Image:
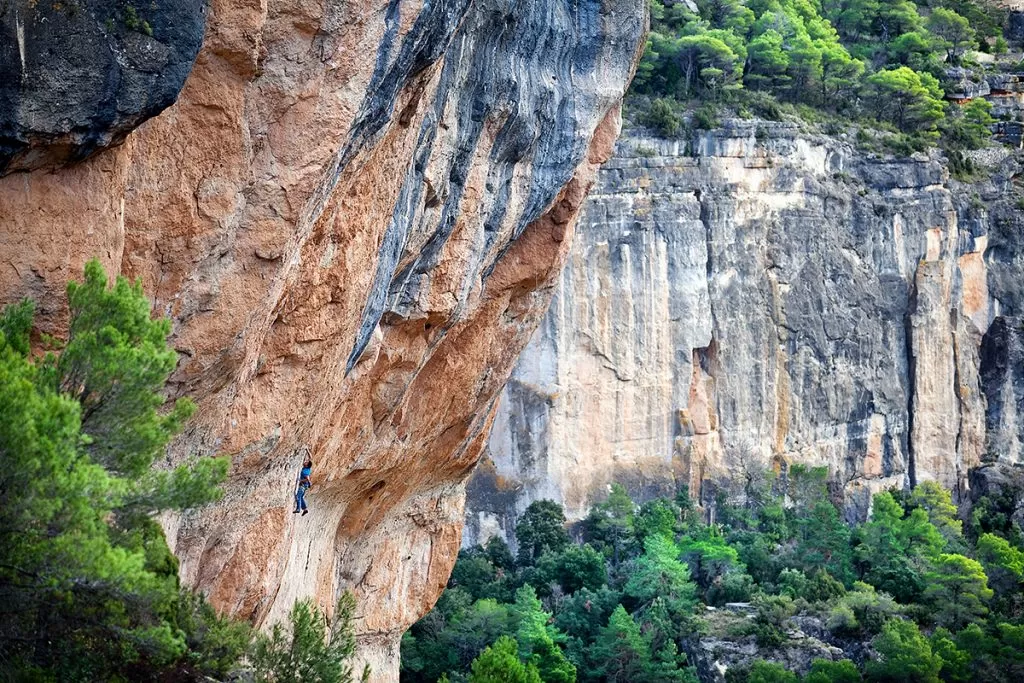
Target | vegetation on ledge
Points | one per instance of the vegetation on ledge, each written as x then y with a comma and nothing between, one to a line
886,66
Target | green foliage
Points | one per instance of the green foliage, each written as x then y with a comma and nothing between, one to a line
476,574
896,549
936,501
857,59
1003,562
610,524
733,587
912,100
770,672
955,662
904,655
215,644
499,663
957,590
660,574
114,365
969,126
663,118
823,541
303,652
16,326
498,553
541,528
579,567
537,640
710,556
625,655
824,671
770,622
658,517
862,611
629,612
82,562
954,33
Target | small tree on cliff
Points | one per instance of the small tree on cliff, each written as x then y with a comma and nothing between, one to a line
303,653
88,587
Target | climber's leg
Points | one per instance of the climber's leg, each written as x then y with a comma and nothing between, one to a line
300,499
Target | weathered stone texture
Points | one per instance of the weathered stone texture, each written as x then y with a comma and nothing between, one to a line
758,297
354,215
78,76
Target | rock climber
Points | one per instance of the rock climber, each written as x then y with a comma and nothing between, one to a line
304,483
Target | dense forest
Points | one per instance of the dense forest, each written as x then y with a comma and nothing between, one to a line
914,594
886,64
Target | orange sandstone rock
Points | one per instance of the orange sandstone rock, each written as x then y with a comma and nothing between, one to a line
353,215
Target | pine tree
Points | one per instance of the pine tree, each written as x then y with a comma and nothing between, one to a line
500,663
304,652
83,564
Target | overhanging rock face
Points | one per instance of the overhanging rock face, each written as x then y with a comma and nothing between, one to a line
354,215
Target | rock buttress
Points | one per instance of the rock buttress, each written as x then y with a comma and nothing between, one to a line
354,215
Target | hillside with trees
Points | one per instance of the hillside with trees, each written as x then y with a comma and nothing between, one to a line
653,592
885,65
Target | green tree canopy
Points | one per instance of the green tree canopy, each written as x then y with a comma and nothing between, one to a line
909,99
954,32
770,672
541,528
824,671
305,652
499,663
82,562
660,574
904,655
610,523
958,591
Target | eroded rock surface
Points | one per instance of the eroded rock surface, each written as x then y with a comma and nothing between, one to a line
354,216
757,297
77,76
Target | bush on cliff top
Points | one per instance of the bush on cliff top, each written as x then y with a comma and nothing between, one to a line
880,63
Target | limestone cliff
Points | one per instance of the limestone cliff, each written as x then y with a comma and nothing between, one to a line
754,297
354,215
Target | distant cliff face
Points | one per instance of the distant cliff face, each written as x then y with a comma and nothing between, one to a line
354,215
756,297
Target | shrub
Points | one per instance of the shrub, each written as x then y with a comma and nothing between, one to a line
824,671
302,653
706,117
663,118
770,672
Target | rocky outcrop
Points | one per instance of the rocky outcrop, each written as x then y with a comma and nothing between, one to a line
730,645
78,76
757,297
353,215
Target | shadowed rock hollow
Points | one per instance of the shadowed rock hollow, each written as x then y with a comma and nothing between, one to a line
354,215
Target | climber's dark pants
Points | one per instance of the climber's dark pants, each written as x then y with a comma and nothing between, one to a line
300,498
